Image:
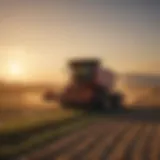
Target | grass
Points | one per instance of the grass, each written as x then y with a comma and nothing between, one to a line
40,139
35,120
26,131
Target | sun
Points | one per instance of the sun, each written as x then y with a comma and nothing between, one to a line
15,69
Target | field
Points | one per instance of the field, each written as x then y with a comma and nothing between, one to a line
20,131
113,136
21,120
121,136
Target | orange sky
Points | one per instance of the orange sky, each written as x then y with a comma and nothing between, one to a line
39,36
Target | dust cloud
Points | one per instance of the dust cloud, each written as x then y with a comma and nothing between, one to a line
141,91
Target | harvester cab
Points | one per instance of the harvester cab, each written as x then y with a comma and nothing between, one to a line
83,70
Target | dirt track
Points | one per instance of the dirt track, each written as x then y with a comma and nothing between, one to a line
110,139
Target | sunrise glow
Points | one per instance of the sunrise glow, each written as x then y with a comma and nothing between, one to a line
15,69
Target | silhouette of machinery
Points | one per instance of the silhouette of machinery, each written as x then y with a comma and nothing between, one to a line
91,87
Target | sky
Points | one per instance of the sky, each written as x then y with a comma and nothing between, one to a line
37,37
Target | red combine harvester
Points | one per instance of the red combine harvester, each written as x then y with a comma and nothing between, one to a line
91,87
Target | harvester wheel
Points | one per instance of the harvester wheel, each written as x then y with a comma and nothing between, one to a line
116,101
64,104
100,101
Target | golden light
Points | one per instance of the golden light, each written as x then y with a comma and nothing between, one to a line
15,69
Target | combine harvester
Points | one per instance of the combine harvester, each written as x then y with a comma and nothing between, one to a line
91,87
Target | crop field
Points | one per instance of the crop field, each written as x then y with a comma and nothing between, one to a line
19,120
129,136
22,130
